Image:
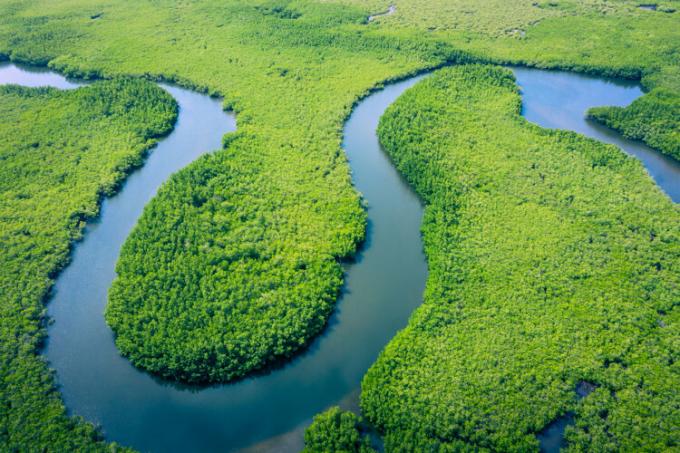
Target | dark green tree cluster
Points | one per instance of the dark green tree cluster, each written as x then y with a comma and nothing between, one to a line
653,118
212,284
336,431
60,151
553,259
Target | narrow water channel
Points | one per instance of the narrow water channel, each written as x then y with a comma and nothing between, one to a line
383,286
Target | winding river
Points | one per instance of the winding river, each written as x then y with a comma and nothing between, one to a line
383,285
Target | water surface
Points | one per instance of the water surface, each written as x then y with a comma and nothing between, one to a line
560,100
33,76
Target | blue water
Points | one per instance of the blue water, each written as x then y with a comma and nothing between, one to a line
560,100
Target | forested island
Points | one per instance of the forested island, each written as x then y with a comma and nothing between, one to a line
553,258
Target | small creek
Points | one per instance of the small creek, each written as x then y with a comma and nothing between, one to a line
383,285
390,10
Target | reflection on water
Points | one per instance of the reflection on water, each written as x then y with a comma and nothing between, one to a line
31,76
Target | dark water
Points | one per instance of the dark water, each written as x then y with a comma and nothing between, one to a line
384,285
551,438
559,100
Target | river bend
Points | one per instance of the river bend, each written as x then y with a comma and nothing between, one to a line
383,286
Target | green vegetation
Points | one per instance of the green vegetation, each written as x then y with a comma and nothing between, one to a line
292,82
235,264
614,38
256,231
495,18
498,18
60,152
553,259
212,285
336,431
654,119
239,254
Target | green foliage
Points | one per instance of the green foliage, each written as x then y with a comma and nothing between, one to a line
553,259
653,118
497,18
211,285
277,207
267,219
614,38
335,431
236,263
60,151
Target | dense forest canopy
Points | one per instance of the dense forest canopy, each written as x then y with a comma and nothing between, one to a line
240,251
336,430
553,261
60,152
654,118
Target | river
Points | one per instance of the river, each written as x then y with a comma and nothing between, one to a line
559,100
384,283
